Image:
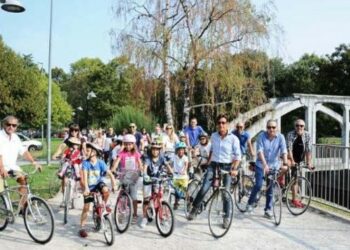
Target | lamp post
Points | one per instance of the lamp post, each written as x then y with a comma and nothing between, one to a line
49,97
89,96
13,6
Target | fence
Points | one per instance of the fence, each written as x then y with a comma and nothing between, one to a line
331,180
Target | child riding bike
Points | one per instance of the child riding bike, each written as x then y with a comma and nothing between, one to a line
154,165
71,157
130,160
94,171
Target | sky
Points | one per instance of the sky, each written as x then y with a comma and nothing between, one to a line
81,29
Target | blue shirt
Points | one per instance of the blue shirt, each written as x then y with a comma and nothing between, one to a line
193,134
225,150
272,149
95,173
155,168
243,139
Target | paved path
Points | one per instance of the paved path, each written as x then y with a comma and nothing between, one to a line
309,231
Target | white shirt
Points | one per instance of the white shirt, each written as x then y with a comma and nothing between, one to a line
115,152
169,146
107,144
10,148
179,166
204,151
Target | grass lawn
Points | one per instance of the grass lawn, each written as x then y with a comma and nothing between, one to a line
39,182
329,140
55,142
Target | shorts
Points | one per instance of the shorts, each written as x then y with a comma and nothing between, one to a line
13,174
98,188
148,188
133,191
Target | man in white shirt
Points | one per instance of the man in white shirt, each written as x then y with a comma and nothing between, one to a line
10,148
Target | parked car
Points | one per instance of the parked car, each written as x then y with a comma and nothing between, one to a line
31,145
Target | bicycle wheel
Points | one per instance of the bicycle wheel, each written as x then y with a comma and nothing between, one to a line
66,198
108,231
303,194
123,212
167,190
242,191
220,220
39,220
4,220
191,193
165,219
277,203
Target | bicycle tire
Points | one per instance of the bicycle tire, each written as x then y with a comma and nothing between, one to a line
32,210
216,207
165,212
123,209
66,198
108,231
4,220
242,191
305,195
191,193
277,203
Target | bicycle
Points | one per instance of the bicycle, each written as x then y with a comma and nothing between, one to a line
303,192
216,213
37,214
123,209
101,219
70,192
271,182
241,188
159,208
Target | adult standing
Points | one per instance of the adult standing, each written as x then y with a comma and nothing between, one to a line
224,153
299,150
107,144
193,132
157,134
138,136
170,139
245,141
271,145
10,147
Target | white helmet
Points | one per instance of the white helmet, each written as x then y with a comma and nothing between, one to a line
129,138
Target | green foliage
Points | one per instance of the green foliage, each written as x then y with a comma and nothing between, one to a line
128,114
23,91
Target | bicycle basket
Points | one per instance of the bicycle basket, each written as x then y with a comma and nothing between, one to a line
128,177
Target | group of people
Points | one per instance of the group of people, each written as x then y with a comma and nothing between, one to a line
164,150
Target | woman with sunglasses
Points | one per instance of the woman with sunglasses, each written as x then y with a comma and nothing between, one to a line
169,141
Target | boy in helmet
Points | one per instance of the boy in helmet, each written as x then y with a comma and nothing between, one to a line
94,172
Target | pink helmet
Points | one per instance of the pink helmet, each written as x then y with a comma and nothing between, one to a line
129,138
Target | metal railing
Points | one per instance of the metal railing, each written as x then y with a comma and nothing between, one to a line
331,180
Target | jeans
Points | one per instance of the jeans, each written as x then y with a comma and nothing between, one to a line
208,180
259,179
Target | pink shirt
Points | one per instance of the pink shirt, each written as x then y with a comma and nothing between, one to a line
128,160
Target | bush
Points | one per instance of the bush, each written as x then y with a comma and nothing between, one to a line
128,114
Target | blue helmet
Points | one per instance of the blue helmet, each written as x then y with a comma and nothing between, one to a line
179,145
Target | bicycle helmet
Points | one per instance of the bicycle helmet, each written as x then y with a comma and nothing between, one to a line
203,134
74,141
95,147
119,138
180,145
182,134
156,144
129,138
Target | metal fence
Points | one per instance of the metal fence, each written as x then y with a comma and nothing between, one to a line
331,180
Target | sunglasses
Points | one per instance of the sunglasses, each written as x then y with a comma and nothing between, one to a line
11,125
221,123
169,128
239,127
271,127
299,125
132,127
75,130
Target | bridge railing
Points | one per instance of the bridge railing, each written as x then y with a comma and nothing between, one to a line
331,180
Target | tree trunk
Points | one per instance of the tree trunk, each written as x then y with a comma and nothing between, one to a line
186,107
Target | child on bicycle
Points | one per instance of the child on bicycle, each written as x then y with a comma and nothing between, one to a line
180,167
130,160
154,165
94,172
202,151
71,158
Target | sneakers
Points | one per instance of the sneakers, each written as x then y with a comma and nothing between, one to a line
192,214
83,233
249,209
297,204
134,220
226,223
268,214
143,222
176,206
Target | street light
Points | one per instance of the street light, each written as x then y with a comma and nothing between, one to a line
13,6
49,92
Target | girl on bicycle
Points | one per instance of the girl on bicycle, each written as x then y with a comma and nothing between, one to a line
130,160
202,151
94,171
71,158
153,167
180,166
